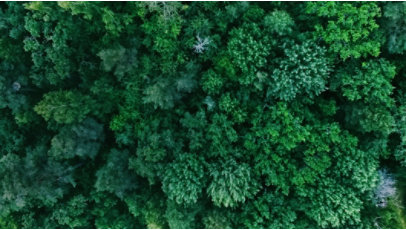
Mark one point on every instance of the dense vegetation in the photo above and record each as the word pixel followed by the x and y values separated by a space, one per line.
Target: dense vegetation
pixel 202 114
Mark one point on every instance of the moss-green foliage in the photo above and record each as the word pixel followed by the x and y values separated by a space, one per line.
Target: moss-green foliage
pixel 64 107
pixel 200 114
pixel 391 217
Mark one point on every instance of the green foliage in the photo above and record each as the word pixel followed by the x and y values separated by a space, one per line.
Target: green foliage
pixel 212 82
pixel 195 124
pixel 269 211
pixel 370 118
pixel 32 178
pixel 64 107
pixel 7 222
pixel 200 114
pixel 73 214
pixel 391 217
pixel 394 25
pixel 279 22
pixel 222 135
pixel 369 86
pixel 304 69
pixel 119 59
pixel 81 140
pixel 345 190
pixel 347 206
pixel 11 138
pixel 231 183
pixel 109 212
pixel 371 82
pixel 184 179
pixel 114 176
pixel 349 28
pixel 269 129
pixel 216 219
pixel 166 91
pixel 400 151
pixel 230 106
pixel 180 217
pixel 249 51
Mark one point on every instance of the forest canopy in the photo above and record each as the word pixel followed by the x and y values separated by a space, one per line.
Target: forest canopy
pixel 202 114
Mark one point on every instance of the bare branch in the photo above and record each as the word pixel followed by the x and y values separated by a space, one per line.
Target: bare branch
pixel 201 45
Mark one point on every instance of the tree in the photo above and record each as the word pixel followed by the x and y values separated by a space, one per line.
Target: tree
pixel 81 140
pixel 304 69
pixel 166 91
pixel 279 22
pixel 201 114
pixel 33 178
pixel 119 59
pixel 350 28
pixel 184 179
pixel 11 137
pixel 394 26
pixel 369 86
pixel 270 210
pixel 73 214
pixel 249 51
pixel 231 183
pixel 64 107
pixel 109 179
pixel 370 82
pixel 180 217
